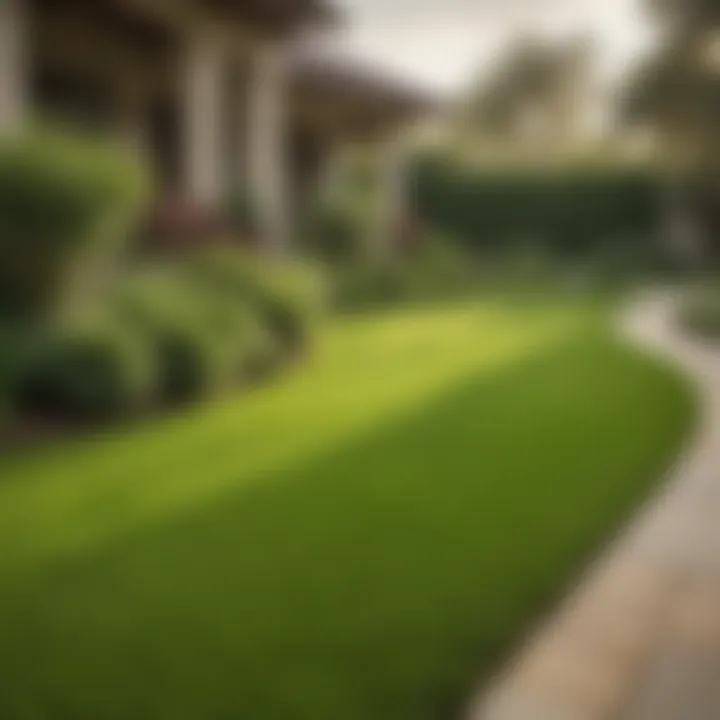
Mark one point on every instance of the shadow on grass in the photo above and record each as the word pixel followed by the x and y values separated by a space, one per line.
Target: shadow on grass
pixel 376 582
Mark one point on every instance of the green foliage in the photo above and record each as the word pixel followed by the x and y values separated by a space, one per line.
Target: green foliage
pixel 65 207
pixel 366 285
pixel 290 299
pixel 570 213
pixel 240 213
pixel 335 231
pixel 440 268
pixel 288 296
pixel 12 342
pixel 199 345
pixel 676 88
pixel 93 368
pixel 239 324
pixel 340 225
pixel 164 335
pixel 437 269
pixel 532 75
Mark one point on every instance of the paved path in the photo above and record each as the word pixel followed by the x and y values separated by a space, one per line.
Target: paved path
pixel 640 637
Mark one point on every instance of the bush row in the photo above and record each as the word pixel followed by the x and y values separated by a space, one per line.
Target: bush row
pixel 571 213
pixel 167 335
pixel 81 335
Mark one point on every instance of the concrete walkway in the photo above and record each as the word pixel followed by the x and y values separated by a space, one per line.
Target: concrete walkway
pixel 640 637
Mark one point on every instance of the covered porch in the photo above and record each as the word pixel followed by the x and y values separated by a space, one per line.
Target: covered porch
pixel 197 89
pixel 213 95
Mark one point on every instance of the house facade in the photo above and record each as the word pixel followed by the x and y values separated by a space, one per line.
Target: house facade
pixel 212 94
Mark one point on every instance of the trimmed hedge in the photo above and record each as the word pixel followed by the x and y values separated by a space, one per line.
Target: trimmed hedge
pixel 334 232
pixel 571 213
pixel 66 205
pixel 288 296
pixel 193 356
pixel 165 335
pixel 168 334
pixel 221 319
pixel 12 344
pixel 91 369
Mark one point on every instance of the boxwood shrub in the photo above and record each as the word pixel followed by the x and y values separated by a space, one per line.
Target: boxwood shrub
pixel 10 361
pixel 66 204
pixel 192 356
pixel 289 297
pixel 86 369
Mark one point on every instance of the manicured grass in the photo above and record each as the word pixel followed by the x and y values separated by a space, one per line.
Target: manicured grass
pixel 359 542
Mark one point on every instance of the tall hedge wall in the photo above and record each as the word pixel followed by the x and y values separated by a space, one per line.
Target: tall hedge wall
pixel 569 212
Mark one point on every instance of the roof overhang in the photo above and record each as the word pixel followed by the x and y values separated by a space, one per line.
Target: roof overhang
pixel 357 99
pixel 268 17
pixel 278 15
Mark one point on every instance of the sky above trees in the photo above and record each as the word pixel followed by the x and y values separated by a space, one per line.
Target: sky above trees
pixel 446 44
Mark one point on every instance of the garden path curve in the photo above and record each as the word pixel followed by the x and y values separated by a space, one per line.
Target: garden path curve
pixel 639 638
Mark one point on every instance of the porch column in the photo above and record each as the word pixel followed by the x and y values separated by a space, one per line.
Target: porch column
pixel 267 145
pixel 392 201
pixel 13 65
pixel 202 102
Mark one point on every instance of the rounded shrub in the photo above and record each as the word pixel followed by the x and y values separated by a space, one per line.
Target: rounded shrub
pixel 66 204
pixel 10 361
pixel 17 343
pixel 289 301
pixel 437 268
pixel 191 360
pixel 199 343
pixel 367 285
pixel 335 231
pixel 87 370
pixel 250 344
pixel 288 297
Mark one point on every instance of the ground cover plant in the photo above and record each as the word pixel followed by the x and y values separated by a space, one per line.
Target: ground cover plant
pixel 361 540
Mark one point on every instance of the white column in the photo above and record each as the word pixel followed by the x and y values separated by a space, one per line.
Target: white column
pixel 267 136
pixel 392 198
pixel 13 65
pixel 202 97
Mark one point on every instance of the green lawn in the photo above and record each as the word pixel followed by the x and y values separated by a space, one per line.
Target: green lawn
pixel 360 541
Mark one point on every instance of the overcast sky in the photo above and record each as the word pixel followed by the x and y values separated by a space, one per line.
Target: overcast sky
pixel 442 44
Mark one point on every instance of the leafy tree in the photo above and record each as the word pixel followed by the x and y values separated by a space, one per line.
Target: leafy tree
pixel 535 92
pixel 676 92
